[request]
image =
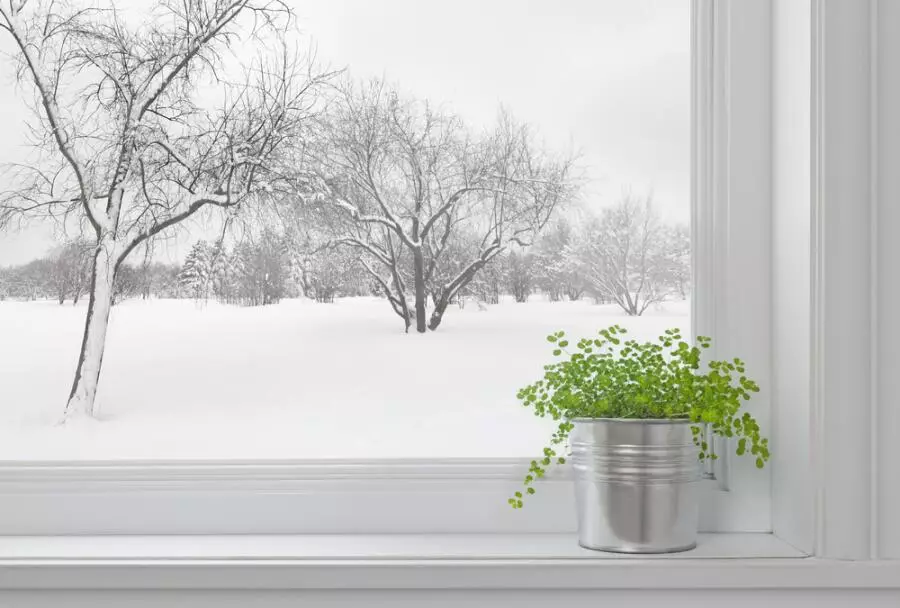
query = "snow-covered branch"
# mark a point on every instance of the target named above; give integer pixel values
(125, 106)
(47, 91)
(452, 201)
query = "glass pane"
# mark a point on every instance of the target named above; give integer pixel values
(343, 233)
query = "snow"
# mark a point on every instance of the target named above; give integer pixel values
(294, 380)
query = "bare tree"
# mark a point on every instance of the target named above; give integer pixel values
(263, 269)
(412, 184)
(159, 280)
(331, 272)
(83, 251)
(488, 284)
(678, 258)
(146, 269)
(624, 255)
(127, 283)
(60, 270)
(319, 267)
(69, 268)
(5, 287)
(31, 280)
(519, 272)
(557, 273)
(144, 128)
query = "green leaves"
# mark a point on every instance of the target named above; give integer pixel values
(608, 376)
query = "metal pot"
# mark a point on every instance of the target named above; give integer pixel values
(636, 484)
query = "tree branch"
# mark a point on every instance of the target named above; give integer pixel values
(52, 113)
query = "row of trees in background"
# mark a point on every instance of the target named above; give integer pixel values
(253, 273)
(64, 274)
(627, 255)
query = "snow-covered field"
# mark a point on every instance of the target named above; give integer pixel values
(294, 380)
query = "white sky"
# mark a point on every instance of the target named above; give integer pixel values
(609, 78)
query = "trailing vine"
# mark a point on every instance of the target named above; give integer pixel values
(610, 377)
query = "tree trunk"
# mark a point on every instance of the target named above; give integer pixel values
(437, 315)
(455, 287)
(419, 263)
(87, 374)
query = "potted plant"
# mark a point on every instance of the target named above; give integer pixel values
(633, 414)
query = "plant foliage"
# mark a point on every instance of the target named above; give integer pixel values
(611, 377)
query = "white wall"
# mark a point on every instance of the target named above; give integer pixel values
(856, 277)
(886, 220)
(792, 503)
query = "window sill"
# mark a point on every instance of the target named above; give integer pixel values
(364, 547)
(482, 561)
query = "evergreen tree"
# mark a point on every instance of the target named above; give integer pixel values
(221, 273)
(195, 274)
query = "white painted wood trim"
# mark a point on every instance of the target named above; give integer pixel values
(873, 130)
(842, 332)
(886, 256)
(460, 574)
(453, 574)
(708, 144)
(374, 497)
(375, 547)
(792, 484)
(722, 561)
(112, 476)
(732, 220)
(705, 105)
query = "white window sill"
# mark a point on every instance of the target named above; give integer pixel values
(483, 561)
(365, 547)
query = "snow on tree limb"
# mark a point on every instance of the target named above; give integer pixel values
(143, 147)
(630, 257)
(399, 169)
(13, 24)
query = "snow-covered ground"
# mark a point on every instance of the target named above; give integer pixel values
(294, 380)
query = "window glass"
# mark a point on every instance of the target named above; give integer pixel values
(387, 207)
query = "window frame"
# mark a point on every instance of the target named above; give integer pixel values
(731, 193)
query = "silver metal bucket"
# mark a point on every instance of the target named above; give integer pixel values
(635, 485)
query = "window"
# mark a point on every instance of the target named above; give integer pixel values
(539, 173)
(229, 358)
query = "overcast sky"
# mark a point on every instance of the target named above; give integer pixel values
(608, 78)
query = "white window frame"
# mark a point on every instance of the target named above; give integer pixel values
(731, 234)
(769, 160)
(834, 416)
(731, 182)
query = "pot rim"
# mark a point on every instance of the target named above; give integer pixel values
(586, 420)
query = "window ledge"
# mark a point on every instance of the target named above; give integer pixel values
(457, 561)
(365, 547)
